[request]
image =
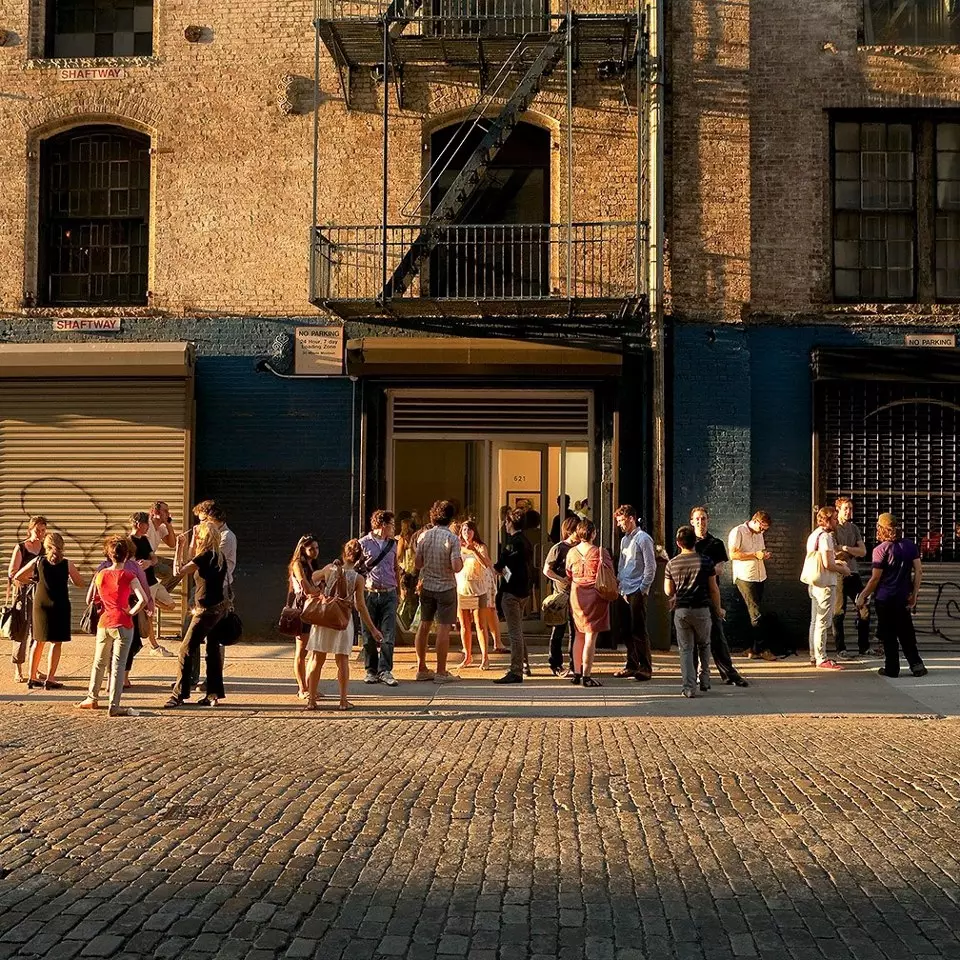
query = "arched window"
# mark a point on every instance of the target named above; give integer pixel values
(94, 217)
(99, 28)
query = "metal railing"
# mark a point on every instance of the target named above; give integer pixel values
(541, 261)
(471, 18)
(919, 22)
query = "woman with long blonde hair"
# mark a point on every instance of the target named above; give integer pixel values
(51, 606)
(211, 604)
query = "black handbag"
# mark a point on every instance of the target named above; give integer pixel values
(13, 617)
(91, 618)
(228, 629)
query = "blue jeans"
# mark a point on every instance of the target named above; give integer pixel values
(382, 605)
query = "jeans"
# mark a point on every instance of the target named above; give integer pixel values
(632, 619)
(721, 651)
(113, 644)
(752, 593)
(382, 605)
(513, 613)
(557, 634)
(693, 638)
(894, 623)
(197, 632)
(821, 612)
(852, 586)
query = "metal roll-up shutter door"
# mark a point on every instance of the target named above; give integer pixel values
(86, 453)
(502, 413)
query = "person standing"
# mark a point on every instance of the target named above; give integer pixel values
(749, 554)
(850, 548)
(636, 572)
(439, 561)
(114, 587)
(690, 581)
(162, 533)
(556, 533)
(591, 613)
(381, 561)
(555, 569)
(25, 551)
(513, 565)
(473, 592)
(209, 570)
(51, 606)
(895, 580)
(146, 559)
(303, 565)
(713, 548)
(823, 598)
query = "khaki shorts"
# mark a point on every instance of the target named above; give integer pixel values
(439, 606)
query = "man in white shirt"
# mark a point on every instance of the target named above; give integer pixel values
(749, 554)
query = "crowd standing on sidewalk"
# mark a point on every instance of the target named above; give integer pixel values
(431, 576)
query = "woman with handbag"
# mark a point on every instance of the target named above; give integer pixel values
(20, 605)
(303, 565)
(556, 607)
(473, 588)
(340, 579)
(209, 570)
(591, 610)
(820, 569)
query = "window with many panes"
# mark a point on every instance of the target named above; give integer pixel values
(94, 226)
(916, 22)
(874, 218)
(99, 28)
(947, 258)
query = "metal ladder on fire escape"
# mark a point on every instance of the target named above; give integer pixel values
(471, 176)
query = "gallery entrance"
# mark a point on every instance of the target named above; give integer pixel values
(505, 449)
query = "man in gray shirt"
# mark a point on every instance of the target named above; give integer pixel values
(850, 546)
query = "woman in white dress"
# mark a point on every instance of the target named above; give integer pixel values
(324, 640)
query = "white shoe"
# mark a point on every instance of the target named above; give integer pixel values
(445, 678)
(388, 678)
(371, 678)
(160, 651)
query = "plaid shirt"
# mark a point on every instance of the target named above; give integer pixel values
(436, 549)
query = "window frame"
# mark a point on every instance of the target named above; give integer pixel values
(863, 41)
(47, 37)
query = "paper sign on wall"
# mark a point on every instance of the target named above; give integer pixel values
(319, 350)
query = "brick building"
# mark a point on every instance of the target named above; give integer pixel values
(166, 233)
(812, 225)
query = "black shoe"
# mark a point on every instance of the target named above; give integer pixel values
(740, 682)
(883, 673)
(576, 679)
(920, 671)
(509, 678)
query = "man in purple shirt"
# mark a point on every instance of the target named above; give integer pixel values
(897, 575)
(382, 567)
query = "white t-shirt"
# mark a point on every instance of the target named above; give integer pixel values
(156, 534)
(742, 538)
(822, 541)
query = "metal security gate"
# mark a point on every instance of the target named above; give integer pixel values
(893, 446)
(86, 453)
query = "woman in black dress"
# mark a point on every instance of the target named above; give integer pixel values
(51, 606)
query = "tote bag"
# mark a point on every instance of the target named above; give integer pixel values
(814, 573)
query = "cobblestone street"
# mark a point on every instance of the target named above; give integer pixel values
(231, 836)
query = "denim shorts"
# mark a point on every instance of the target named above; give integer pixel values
(439, 606)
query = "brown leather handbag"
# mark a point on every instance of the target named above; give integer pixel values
(291, 621)
(607, 587)
(331, 609)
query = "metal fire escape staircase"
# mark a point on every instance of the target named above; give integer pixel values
(470, 178)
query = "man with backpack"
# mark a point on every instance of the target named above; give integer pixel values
(381, 565)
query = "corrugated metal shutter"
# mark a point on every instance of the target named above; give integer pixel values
(500, 413)
(894, 447)
(87, 453)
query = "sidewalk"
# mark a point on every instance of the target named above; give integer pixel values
(259, 679)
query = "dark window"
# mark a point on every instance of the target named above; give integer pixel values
(920, 22)
(948, 211)
(94, 202)
(459, 18)
(99, 28)
(874, 219)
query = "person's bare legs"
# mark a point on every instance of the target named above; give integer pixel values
(578, 645)
(314, 666)
(443, 647)
(466, 635)
(300, 664)
(420, 644)
(589, 649)
(343, 678)
(36, 653)
(53, 661)
(481, 637)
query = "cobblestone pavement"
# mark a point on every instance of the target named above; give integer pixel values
(229, 836)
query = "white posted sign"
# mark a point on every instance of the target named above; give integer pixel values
(319, 350)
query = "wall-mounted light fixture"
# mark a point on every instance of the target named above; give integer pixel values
(193, 33)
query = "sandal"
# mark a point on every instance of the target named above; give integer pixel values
(310, 705)
(52, 685)
(20, 678)
(345, 706)
(207, 701)
(88, 704)
(590, 682)
(173, 703)
(484, 664)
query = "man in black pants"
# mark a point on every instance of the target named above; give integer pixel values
(850, 548)
(713, 548)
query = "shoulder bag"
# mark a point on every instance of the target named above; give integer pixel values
(13, 615)
(814, 573)
(331, 609)
(228, 629)
(555, 608)
(90, 619)
(364, 568)
(607, 587)
(291, 622)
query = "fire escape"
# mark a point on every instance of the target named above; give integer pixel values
(569, 282)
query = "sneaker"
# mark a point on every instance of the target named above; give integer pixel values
(920, 671)
(425, 674)
(846, 655)
(124, 712)
(445, 678)
(768, 656)
(388, 678)
(883, 673)
(740, 682)
(161, 651)
(513, 678)
(688, 693)
(704, 687)
(371, 678)
(829, 665)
